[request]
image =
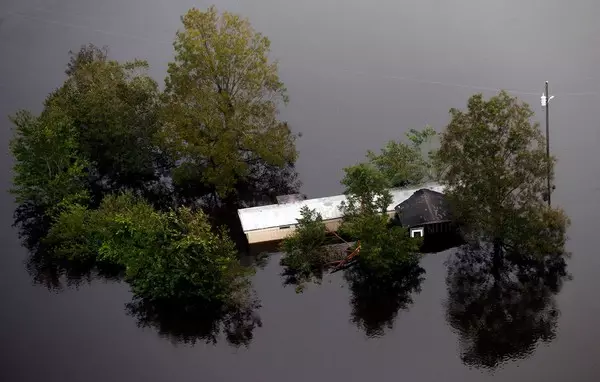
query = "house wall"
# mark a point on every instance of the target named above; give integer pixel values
(277, 233)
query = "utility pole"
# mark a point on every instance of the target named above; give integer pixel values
(546, 103)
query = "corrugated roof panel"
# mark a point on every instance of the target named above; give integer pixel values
(277, 215)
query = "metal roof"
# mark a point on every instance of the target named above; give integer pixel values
(277, 215)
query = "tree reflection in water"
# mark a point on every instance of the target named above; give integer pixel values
(189, 325)
(375, 305)
(501, 312)
(180, 324)
(54, 274)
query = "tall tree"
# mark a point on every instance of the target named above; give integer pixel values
(221, 103)
(493, 162)
(114, 108)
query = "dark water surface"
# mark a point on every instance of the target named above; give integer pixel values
(359, 73)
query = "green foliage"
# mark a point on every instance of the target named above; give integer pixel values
(114, 109)
(95, 134)
(366, 189)
(171, 255)
(49, 170)
(538, 232)
(221, 100)
(384, 248)
(108, 129)
(304, 253)
(403, 164)
(493, 162)
(386, 271)
(76, 234)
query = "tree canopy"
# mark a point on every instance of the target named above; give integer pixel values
(114, 108)
(49, 168)
(305, 254)
(493, 163)
(386, 251)
(221, 103)
(172, 255)
(406, 164)
(119, 172)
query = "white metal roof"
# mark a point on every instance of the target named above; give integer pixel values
(277, 215)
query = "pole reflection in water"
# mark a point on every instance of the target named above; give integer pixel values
(501, 312)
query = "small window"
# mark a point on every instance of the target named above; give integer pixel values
(417, 232)
(284, 227)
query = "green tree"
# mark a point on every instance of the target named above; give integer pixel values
(367, 191)
(305, 255)
(49, 169)
(385, 248)
(386, 271)
(114, 108)
(493, 163)
(404, 164)
(167, 256)
(221, 104)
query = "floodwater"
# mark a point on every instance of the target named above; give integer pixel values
(358, 73)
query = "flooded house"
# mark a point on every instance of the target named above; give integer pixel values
(275, 222)
(426, 213)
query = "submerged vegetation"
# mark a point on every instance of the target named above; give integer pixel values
(115, 173)
(493, 163)
(118, 177)
(305, 252)
(384, 250)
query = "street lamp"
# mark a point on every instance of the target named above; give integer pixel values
(546, 104)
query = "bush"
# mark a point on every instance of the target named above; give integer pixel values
(49, 171)
(305, 255)
(171, 255)
(385, 249)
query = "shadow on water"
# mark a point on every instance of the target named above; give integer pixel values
(375, 305)
(501, 312)
(44, 270)
(189, 325)
(178, 324)
(439, 242)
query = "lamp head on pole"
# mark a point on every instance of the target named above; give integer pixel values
(545, 100)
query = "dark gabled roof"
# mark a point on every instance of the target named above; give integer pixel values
(423, 207)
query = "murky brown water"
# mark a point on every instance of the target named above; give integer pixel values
(358, 73)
